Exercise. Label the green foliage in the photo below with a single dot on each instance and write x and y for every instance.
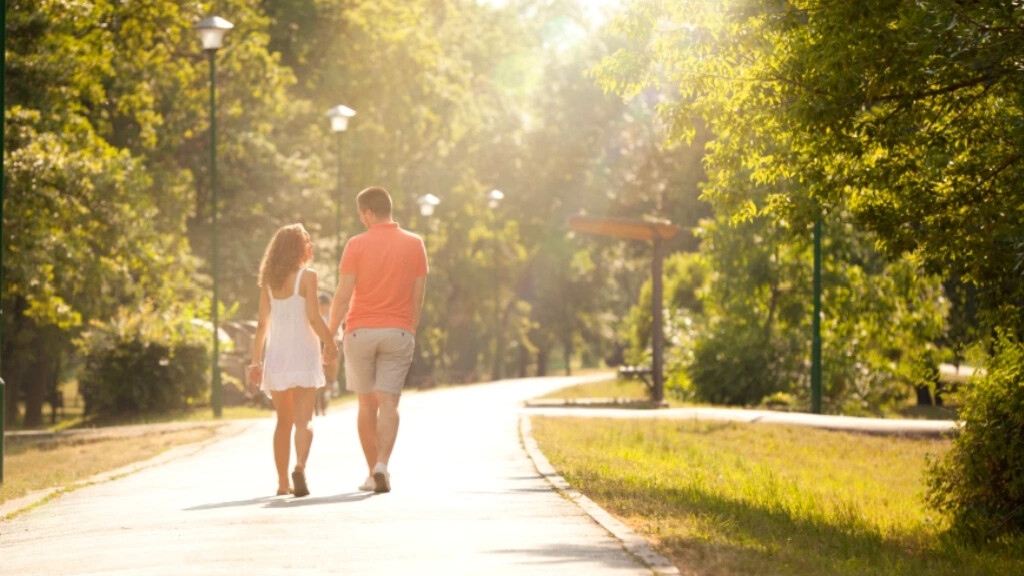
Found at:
(145, 361)
(980, 481)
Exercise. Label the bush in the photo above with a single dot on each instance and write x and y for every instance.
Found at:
(980, 481)
(739, 365)
(144, 362)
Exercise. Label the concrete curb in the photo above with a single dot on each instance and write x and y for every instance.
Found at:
(879, 426)
(222, 430)
(632, 542)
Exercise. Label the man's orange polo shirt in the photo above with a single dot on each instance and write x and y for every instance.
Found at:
(386, 262)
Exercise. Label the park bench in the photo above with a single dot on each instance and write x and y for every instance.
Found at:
(641, 373)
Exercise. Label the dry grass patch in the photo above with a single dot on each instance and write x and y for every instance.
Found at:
(730, 498)
(31, 465)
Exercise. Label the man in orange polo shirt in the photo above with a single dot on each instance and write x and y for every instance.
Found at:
(380, 295)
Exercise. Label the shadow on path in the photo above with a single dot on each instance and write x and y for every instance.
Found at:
(286, 501)
(566, 553)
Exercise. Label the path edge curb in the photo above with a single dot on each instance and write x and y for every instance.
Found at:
(630, 540)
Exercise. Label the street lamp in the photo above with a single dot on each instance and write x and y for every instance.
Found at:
(428, 203)
(211, 34)
(494, 198)
(339, 116)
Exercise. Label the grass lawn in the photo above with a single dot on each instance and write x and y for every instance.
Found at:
(31, 465)
(610, 388)
(729, 498)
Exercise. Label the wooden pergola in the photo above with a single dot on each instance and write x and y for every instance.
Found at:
(656, 232)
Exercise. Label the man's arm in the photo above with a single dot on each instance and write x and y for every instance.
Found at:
(419, 288)
(340, 303)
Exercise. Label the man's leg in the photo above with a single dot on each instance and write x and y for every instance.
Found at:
(360, 353)
(387, 425)
(394, 357)
(367, 424)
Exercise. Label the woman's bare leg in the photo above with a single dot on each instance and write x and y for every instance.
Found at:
(305, 400)
(284, 405)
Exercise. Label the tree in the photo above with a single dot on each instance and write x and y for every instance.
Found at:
(903, 117)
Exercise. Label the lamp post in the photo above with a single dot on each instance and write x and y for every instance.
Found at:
(816, 322)
(339, 116)
(3, 68)
(211, 34)
(494, 198)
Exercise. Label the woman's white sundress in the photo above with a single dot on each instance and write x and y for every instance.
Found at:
(293, 358)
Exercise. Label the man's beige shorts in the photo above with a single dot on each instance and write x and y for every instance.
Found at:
(377, 359)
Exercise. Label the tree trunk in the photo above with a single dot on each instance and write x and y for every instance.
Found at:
(524, 360)
(567, 349)
(36, 383)
(542, 361)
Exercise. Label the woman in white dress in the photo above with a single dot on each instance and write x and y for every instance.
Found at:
(292, 370)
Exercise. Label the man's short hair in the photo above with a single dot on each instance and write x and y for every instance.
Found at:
(375, 199)
(324, 299)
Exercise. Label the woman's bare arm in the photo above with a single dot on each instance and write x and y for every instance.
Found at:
(260, 338)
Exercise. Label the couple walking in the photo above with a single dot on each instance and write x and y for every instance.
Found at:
(378, 301)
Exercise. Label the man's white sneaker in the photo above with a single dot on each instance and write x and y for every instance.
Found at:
(382, 480)
(368, 484)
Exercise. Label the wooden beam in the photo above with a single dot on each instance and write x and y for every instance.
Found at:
(624, 228)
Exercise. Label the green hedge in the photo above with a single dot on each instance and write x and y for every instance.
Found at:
(980, 481)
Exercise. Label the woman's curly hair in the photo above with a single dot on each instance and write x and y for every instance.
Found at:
(285, 254)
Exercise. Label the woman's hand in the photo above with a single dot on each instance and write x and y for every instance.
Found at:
(255, 374)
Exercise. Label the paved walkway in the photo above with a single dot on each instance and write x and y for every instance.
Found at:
(466, 500)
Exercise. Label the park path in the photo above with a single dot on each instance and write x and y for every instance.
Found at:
(466, 499)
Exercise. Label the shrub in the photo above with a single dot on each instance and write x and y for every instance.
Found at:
(980, 481)
(739, 365)
(144, 362)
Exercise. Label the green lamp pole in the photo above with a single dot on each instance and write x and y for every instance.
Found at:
(211, 34)
(494, 198)
(3, 108)
(816, 323)
(339, 116)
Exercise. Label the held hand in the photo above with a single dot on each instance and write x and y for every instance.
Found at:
(330, 353)
(255, 374)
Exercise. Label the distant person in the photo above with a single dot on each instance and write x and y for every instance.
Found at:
(293, 368)
(380, 295)
(323, 395)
